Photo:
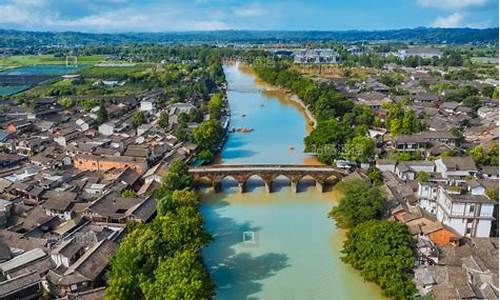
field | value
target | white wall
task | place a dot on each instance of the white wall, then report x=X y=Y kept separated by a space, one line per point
x=385 y=167
x=483 y=228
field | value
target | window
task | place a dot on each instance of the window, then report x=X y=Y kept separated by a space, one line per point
x=471 y=208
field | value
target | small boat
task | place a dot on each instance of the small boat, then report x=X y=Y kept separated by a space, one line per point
x=290 y=147
x=243 y=115
x=244 y=130
x=261 y=105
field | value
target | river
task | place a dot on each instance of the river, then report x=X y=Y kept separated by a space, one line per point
x=279 y=245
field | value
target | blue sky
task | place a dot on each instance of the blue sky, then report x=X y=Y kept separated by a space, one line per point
x=177 y=15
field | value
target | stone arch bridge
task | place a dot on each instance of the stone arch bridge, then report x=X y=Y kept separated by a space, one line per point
x=268 y=173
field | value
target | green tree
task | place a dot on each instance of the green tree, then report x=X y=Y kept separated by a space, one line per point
x=137 y=260
x=360 y=149
x=208 y=134
x=399 y=121
x=479 y=155
x=177 y=178
x=472 y=102
x=128 y=193
x=422 y=176
x=492 y=194
x=495 y=93
x=102 y=114
x=173 y=201
x=375 y=176
x=360 y=202
x=66 y=102
x=182 y=276
x=138 y=118
x=134 y=260
x=493 y=154
x=163 y=119
x=215 y=106
x=382 y=251
x=327 y=138
x=487 y=91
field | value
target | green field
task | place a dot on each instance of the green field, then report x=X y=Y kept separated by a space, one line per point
x=22 y=60
x=86 y=88
x=115 y=73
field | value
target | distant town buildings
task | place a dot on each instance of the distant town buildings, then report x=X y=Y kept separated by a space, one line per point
x=316 y=56
x=423 y=52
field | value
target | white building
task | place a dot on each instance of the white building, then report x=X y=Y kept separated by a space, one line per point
x=470 y=214
x=407 y=170
x=420 y=52
x=456 y=167
x=147 y=105
x=427 y=195
x=107 y=128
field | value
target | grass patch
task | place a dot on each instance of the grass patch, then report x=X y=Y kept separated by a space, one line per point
x=22 y=60
x=117 y=73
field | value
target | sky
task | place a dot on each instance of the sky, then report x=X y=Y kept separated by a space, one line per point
x=177 y=15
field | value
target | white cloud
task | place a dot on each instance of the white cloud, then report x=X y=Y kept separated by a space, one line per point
x=451 y=4
x=452 y=20
x=249 y=11
x=47 y=15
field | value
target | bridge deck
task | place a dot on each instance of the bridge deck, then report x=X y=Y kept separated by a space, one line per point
x=264 y=167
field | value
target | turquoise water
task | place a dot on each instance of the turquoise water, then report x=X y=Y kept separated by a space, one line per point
x=42 y=69
x=279 y=245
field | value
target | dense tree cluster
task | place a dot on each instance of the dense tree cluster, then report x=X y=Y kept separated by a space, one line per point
x=382 y=251
x=161 y=259
x=360 y=202
x=402 y=121
x=215 y=106
x=484 y=156
x=208 y=136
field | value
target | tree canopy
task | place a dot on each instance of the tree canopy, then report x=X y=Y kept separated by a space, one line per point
x=360 y=149
x=382 y=251
x=138 y=118
x=215 y=106
x=360 y=202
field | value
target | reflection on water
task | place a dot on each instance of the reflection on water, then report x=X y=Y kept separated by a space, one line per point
x=294 y=252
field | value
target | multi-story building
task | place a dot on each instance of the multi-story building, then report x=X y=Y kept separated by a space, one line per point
x=470 y=214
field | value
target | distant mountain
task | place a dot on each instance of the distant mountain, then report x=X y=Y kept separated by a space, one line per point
x=14 y=38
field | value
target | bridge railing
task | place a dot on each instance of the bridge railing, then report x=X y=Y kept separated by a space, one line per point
x=277 y=166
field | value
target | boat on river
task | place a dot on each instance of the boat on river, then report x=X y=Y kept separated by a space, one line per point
x=241 y=129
